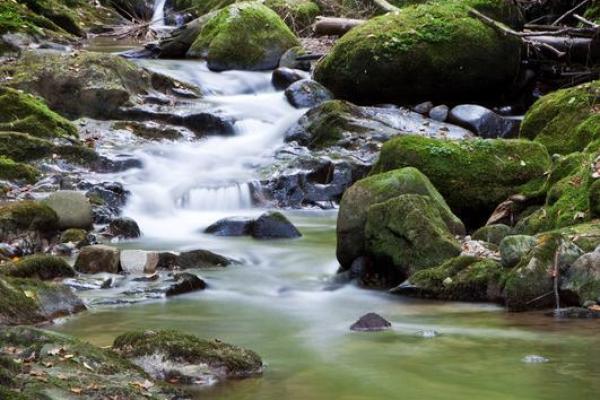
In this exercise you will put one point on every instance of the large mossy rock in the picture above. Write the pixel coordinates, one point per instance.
(463, 278)
(474, 176)
(581, 283)
(98, 258)
(15, 171)
(30, 301)
(376, 189)
(431, 52)
(407, 234)
(246, 36)
(565, 121)
(83, 83)
(67, 368)
(30, 221)
(72, 208)
(161, 353)
(39, 266)
(297, 14)
(530, 284)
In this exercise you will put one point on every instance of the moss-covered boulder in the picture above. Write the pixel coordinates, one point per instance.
(167, 353)
(25, 113)
(581, 283)
(24, 147)
(30, 221)
(39, 266)
(246, 35)
(565, 121)
(83, 83)
(14, 171)
(30, 301)
(66, 368)
(98, 258)
(407, 234)
(530, 285)
(473, 175)
(297, 14)
(492, 233)
(72, 208)
(463, 278)
(513, 248)
(74, 235)
(430, 52)
(376, 189)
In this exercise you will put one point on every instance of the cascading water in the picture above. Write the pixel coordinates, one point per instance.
(194, 183)
(158, 15)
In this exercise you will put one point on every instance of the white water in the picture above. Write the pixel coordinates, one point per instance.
(186, 185)
(158, 16)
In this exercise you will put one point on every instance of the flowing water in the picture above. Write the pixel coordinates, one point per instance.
(280, 300)
(158, 15)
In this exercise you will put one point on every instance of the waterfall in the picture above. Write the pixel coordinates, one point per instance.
(158, 16)
(223, 198)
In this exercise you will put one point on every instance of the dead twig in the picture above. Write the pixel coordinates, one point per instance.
(571, 11)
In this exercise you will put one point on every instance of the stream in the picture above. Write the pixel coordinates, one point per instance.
(280, 300)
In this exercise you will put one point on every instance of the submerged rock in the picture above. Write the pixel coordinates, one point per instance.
(186, 359)
(98, 258)
(246, 35)
(72, 208)
(371, 322)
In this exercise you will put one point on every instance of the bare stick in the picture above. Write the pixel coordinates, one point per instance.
(586, 21)
(571, 11)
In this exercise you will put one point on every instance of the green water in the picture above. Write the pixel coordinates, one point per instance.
(280, 303)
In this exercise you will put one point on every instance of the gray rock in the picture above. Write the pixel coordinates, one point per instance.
(307, 93)
(423, 108)
(439, 113)
(201, 259)
(289, 59)
(484, 122)
(122, 228)
(274, 225)
(581, 284)
(232, 226)
(514, 248)
(72, 208)
(371, 322)
(98, 258)
(139, 261)
(284, 77)
(185, 283)
(492, 233)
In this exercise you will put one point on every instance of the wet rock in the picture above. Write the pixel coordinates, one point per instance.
(122, 228)
(72, 208)
(307, 93)
(232, 226)
(492, 233)
(60, 359)
(150, 130)
(378, 189)
(274, 225)
(183, 358)
(31, 223)
(575, 313)
(581, 284)
(98, 258)
(289, 59)
(139, 262)
(185, 283)
(201, 259)
(166, 261)
(283, 77)
(107, 199)
(423, 108)
(514, 248)
(371, 322)
(484, 122)
(39, 266)
(74, 235)
(439, 113)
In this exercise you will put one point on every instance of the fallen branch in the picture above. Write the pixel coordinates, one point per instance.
(571, 11)
(385, 6)
(586, 21)
(331, 26)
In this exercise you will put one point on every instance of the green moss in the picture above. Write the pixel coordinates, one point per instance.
(14, 171)
(297, 14)
(492, 233)
(16, 307)
(406, 234)
(183, 347)
(24, 147)
(15, 17)
(25, 113)
(27, 216)
(40, 266)
(462, 278)
(200, 7)
(73, 235)
(377, 189)
(474, 176)
(434, 52)
(566, 120)
(245, 35)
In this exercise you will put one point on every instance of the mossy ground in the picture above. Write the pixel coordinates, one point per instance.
(39, 266)
(189, 348)
(14, 171)
(430, 52)
(25, 216)
(474, 176)
(246, 35)
(73, 235)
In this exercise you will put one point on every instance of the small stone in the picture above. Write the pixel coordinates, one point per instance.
(371, 322)
(274, 225)
(98, 258)
(123, 228)
(282, 78)
(307, 93)
(423, 108)
(185, 283)
(439, 113)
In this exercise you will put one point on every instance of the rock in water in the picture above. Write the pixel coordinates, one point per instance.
(98, 258)
(283, 77)
(201, 259)
(139, 261)
(274, 225)
(39, 266)
(484, 122)
(185, 283)
(164, 354)
(232, 226)
(307, 93)
(72, 208)
(246, 35)
(123, 228)
(371, 322)
(382, 59)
